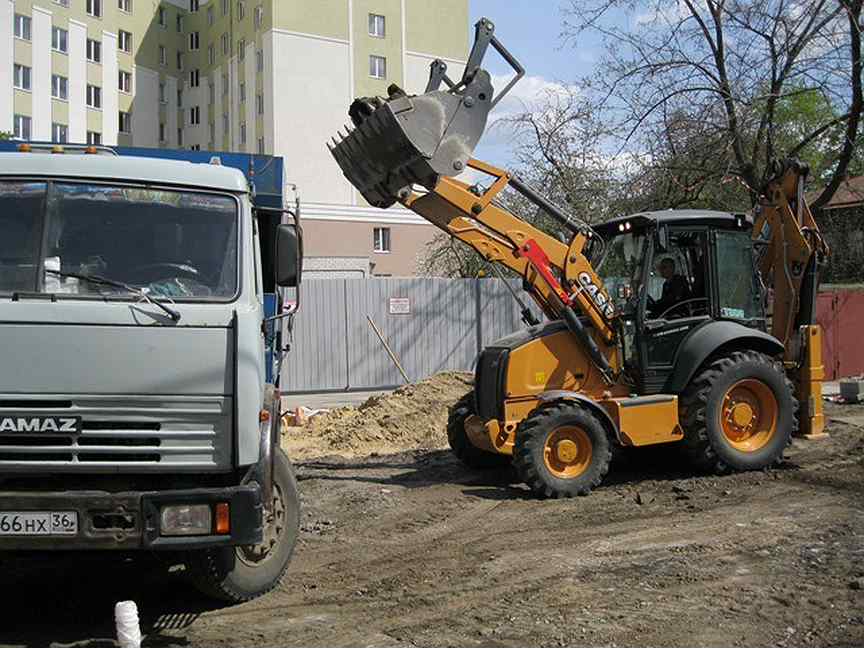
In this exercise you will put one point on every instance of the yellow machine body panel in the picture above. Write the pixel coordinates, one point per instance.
(645, 420)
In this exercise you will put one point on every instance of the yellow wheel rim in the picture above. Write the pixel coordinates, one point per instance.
(567, 452)
(748, 415)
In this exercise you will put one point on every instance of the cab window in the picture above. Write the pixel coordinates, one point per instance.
(677, 277)
(738, 289)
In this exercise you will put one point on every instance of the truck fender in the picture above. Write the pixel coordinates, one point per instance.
(702, 342)
(582, 399)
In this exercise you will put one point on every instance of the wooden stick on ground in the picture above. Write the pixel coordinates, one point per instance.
(389, 350)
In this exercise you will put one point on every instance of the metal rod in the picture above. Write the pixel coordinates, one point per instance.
(554, 211)
(388, 349)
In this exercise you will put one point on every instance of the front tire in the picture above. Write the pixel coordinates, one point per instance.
(561, 450)
(461, 445)
(739, 413)
(239, 574)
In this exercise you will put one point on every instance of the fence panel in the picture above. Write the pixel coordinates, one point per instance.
(500, 315)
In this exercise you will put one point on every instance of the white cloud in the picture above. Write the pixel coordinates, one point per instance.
(527, 94)
(668, 13)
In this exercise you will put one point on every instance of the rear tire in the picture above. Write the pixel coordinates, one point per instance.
(561, 450)
(461, 445)
(238, 574)
(739, 413)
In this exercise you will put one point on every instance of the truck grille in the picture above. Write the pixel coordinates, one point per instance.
(122, 434)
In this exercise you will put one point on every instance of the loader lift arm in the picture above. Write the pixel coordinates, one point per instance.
(559, 276)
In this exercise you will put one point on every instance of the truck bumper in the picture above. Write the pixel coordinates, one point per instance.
(131, 520)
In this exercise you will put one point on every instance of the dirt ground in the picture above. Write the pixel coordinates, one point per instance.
(407, 547)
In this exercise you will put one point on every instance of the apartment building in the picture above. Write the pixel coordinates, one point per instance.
(258, 76)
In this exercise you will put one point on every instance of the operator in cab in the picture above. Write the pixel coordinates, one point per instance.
(675, 289)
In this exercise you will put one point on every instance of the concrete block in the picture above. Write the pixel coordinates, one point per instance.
(852, 389)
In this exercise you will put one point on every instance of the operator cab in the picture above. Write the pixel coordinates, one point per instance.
(670, 272)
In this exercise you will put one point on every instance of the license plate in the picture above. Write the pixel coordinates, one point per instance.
(38, 523)
(12, 423)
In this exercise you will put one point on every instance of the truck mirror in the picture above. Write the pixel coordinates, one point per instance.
(289, 256)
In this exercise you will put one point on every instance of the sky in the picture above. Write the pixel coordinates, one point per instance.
(531, 31)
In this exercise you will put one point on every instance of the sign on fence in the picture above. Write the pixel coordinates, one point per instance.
(400, 306)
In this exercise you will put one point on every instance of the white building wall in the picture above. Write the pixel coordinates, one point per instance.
(234, 92)
(217, 117)
(417, 70)
(312, 101)
(171, 111)
(251, 100)
(7, 50)
(269, 85)
(110, 91)
(41, 74)
(77, 82)
(145, 107)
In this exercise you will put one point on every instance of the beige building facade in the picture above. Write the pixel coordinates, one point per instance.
(256, 76)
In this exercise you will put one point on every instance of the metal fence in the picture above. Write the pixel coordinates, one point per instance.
(431, 325)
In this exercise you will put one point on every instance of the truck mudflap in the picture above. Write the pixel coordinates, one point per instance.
(124, 521)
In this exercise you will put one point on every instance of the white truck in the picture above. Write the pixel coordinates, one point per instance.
(135, 412)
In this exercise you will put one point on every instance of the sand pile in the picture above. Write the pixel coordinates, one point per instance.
(413, 416)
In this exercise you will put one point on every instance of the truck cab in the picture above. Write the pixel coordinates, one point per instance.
(135, 412)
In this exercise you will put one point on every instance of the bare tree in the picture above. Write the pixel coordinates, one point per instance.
(698, 86)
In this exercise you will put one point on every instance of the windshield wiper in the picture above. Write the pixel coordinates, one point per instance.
(105, 281)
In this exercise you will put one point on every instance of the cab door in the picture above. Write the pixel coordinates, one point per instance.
(665, 325)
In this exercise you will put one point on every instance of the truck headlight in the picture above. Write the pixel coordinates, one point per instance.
(187, 520)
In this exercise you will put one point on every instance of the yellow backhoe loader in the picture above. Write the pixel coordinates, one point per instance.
(655, 326)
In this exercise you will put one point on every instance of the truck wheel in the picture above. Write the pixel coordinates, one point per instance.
(238, 574)
(561, 450)
(461, 445)
(739, 413)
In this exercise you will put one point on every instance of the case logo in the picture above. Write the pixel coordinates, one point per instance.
(599, 297)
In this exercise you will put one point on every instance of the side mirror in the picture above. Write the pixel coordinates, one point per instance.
(289, 256)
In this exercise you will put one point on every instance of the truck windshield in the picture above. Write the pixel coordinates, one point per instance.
(176, 244)
(621, 267)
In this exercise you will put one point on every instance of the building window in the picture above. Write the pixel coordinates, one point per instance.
(212, 134)
(162, 96)
(22, 75)
(193, 6)
(163, 55)
(59, 40)
(124, 81)
(179, 98)
(94, 138)
(195, 115)
(94, 8)
(22, 26)
(94, 96)
(59, 87)
(162, 132)
(224, 85)
(212, 92)
(124, 40)
(225, 4)
(179, 137)
(259, 63)
(241, 49)
(241, 10)
(225, 122)
(242, 132)
(211, 16)
(226, 44)
(259, 104)
(179, 60)
(377, 67)
(21, 128)
(242, 92)
(381, 239)
(376, 26)
(211, 55)
(125, 122)
(94, 51)
(259, 16)
(179, 24)
(194, 41)
(125, 5)
(260, 146)
(163, 17)
(194, 78)
(59, 133)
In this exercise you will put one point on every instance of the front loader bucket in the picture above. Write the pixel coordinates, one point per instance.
(409, 140)
(415, 139)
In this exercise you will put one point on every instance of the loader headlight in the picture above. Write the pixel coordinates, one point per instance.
(186, 520)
